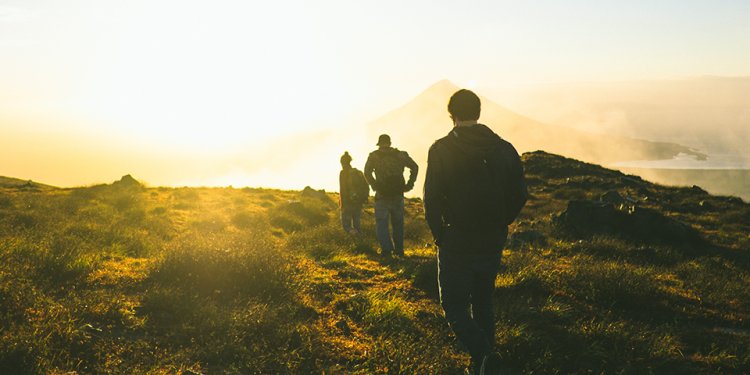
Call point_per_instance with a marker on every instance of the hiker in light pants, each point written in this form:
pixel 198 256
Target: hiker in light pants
pixel 388 164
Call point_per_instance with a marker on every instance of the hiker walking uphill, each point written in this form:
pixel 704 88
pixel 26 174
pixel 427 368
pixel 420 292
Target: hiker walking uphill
pixel 388 182
pixel 353 193
pixel 474 188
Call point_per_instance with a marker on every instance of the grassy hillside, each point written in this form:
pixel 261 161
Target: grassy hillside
pixel 126 279
pixel 8 182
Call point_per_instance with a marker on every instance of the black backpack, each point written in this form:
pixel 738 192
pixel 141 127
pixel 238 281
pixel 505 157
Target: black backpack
pixel 490 190
pixel 389 173
pixel 359 190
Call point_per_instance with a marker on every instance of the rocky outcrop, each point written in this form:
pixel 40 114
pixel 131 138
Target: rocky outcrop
pixel 320 195
pixel 128 182
pixel 586 217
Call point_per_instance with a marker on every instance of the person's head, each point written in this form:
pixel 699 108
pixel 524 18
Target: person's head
pixel 346 159
pixel 464 105
pixel 384 140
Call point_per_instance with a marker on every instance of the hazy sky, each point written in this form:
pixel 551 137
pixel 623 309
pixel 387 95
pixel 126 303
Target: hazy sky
pixel 212 78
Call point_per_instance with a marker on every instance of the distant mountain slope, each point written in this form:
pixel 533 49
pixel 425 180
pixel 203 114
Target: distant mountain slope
pixel 710 113
pixel 416 125
pixel 9 182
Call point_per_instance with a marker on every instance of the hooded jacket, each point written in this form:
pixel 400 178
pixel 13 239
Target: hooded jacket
pixel 454 166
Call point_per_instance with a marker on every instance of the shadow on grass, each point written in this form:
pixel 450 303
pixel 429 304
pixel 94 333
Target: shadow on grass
pixel 595 315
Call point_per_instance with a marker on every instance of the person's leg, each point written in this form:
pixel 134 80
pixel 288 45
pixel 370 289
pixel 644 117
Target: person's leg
pixel 381 227
pixel 485 269
pixel 455 283
pixel 397 221
pixel 346 218
pixel 357 218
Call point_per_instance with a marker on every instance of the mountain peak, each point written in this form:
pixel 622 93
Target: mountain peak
pixel 443 86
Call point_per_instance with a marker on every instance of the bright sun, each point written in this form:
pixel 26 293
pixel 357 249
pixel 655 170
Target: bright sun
pixel 209 82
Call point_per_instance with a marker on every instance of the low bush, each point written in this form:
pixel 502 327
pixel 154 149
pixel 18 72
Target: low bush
pixel 297 215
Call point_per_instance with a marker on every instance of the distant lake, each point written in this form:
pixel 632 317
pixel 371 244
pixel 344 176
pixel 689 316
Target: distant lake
pixel 719 174
pixel 685 161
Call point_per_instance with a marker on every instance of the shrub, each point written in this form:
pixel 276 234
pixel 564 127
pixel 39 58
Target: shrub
pixel 5 201
pixel 248 220
pixel 297 215
pixel 325 241
pixel 225 266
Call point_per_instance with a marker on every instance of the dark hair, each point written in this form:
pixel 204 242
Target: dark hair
pixel 464 105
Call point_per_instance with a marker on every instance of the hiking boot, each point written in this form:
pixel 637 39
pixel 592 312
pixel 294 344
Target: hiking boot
pixel 491 365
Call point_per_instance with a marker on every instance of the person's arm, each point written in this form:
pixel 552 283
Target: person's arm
pixel 413 170
pixel 368 173
pixel 434 196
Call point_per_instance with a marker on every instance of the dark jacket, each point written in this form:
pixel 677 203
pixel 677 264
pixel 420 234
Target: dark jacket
pixel 377 160
pixel 446 191
pixel 344 188
pixel 349 196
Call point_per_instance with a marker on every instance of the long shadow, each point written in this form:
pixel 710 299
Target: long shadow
pixel 542 340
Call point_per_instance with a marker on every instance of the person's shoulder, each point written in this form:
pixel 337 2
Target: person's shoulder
pixel 508 148
pixel 440 143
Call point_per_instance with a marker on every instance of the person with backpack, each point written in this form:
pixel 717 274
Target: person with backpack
pixel 388 164
pixel 474 188
pixel 353 194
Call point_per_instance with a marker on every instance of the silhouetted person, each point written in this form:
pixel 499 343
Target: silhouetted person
pixel 388 165
pixel 353 193
pixel 474 189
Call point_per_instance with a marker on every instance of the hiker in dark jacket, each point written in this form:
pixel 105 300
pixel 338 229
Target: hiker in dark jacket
pixel 388 165
pixel 474 189
pixel 353 193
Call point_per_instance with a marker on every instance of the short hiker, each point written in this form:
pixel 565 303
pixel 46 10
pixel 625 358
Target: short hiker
pixel 474 189
pixel 388 164
pixel 353 193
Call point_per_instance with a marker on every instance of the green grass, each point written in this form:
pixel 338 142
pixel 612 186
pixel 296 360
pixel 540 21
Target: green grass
pixel 127 279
